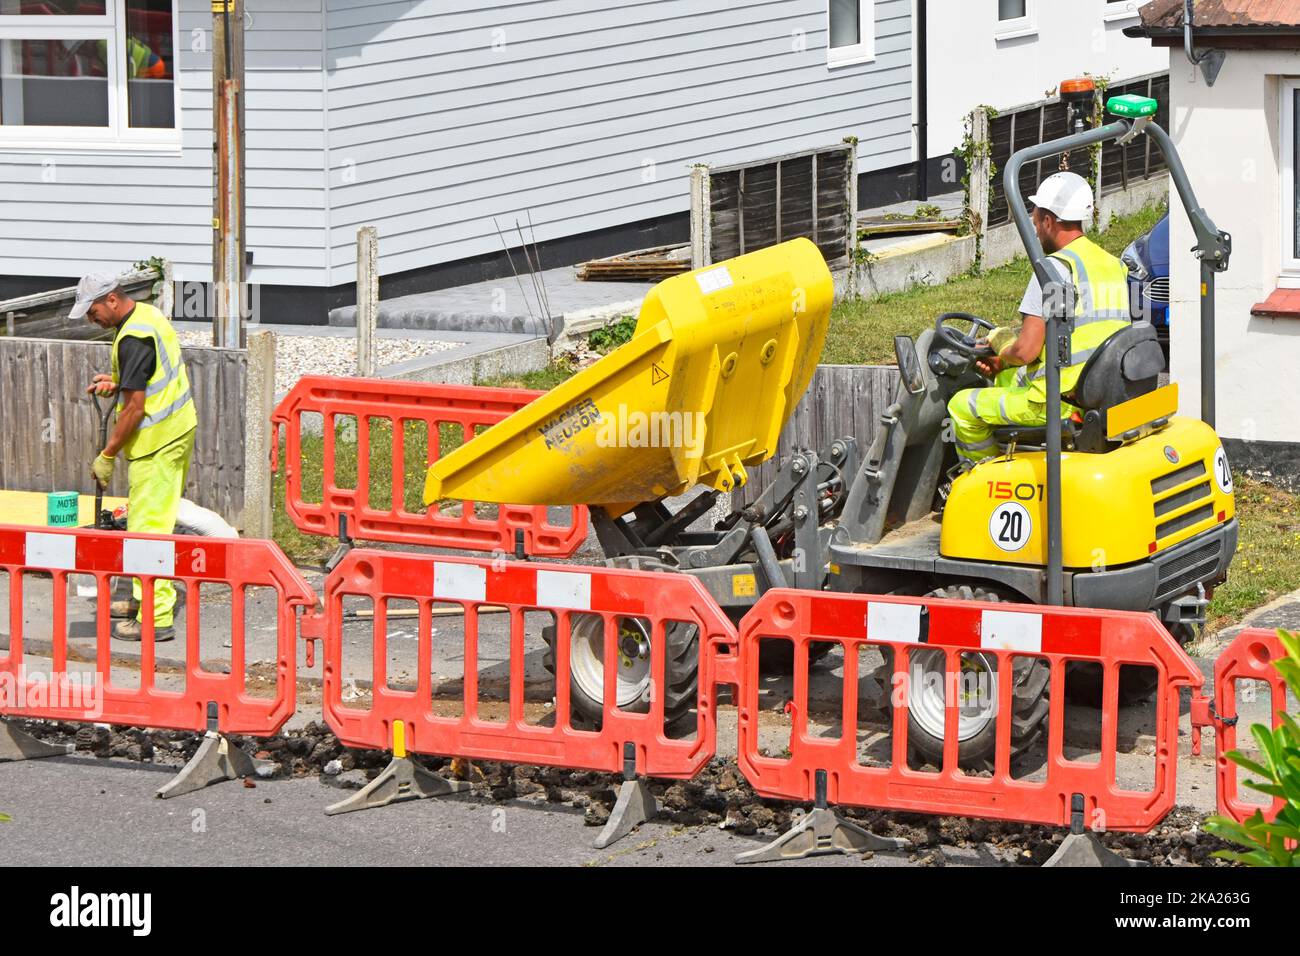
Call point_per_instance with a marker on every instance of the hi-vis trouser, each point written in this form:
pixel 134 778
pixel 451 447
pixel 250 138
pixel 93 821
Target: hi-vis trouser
pixel 157 481
pixel 976 412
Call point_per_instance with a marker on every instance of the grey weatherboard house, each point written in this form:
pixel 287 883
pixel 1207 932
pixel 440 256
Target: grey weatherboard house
pixel 426 119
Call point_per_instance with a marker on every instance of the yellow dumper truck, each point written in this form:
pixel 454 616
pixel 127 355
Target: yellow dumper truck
pixel 1130 507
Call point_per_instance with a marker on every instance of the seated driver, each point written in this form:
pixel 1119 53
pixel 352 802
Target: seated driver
pixel 1018 396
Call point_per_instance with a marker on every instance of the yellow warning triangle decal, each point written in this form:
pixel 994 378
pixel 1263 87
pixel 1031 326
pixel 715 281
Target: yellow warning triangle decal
pixel 657 374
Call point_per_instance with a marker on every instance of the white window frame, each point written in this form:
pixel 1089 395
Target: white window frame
pixel 1289 263
pixel 117 136
pixel 864 51
pixel 1016 27
pixel 1114 12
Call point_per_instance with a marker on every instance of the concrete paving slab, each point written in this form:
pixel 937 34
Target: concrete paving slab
pixel 505 305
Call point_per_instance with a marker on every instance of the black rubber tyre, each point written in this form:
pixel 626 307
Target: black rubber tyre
pixel 1029 702
pixel 586 706
pixel 777 656
pixel 1136 684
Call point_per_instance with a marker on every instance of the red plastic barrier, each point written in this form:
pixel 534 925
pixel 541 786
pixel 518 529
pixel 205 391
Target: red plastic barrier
pixel 659 598
pixel 61 694
pixel 467 406
pixel 1113 638
pixel 1248 657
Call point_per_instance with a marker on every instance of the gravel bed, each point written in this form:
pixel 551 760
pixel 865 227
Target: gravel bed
pixel 299 355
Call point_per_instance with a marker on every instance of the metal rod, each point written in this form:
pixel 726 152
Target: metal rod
pixel 532 273
pixel 537 254
pixel 510 259
pixel 1207 343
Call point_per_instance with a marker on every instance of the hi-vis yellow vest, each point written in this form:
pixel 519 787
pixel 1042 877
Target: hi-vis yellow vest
pixel 1101 308
pixel 168 405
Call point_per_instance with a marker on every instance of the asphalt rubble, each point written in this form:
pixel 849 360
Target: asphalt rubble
pixel 718 796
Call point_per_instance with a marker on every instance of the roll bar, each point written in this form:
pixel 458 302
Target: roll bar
pixel 1213 248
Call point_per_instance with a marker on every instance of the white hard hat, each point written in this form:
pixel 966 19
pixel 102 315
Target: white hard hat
pixel 1067 195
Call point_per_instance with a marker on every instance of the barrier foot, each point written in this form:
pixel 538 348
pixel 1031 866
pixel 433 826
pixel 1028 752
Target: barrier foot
pixel 403 779
pixel 818 833
pixel 17 744
pixel 215 762
pixel 1084 847
pixel 634 806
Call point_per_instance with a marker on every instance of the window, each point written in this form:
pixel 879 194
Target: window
pixel 1290 176
pixel 851 29
pixel 1121 9
pixel 1015 19
pixel 88 73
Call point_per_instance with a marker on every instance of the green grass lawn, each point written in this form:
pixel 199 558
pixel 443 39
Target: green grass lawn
pixel 1267 564
pixel 862 330
pixel 312 549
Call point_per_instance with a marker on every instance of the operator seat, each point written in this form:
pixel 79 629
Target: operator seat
pixel 1125 366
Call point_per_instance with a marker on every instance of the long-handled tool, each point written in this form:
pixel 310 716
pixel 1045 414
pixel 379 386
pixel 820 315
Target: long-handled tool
pixel 103 517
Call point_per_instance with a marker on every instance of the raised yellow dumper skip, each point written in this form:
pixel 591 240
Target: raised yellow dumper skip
pixel 718 361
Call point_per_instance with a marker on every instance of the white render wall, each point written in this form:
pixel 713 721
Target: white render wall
pixel 971 66
pixel 1228 137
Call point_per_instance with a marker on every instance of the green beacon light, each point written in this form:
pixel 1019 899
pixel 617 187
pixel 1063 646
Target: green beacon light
pixel 1132 106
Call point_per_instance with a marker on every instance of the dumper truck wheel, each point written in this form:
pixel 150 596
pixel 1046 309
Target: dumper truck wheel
pixel 587 669
pixel 977 725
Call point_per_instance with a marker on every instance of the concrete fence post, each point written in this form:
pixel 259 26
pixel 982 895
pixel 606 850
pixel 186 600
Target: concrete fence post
pixel 701 218
pixel 367 299
pixel 978 175
pixel 259 401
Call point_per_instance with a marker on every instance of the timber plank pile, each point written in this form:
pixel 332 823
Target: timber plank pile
pixel 645 264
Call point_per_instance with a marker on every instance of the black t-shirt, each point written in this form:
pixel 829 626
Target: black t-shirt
pixel 136 361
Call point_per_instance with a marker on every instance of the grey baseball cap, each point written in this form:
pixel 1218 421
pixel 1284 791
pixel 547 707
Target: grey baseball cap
pixel 92 287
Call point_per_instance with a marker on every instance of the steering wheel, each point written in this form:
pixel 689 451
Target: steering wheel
pixel 963 343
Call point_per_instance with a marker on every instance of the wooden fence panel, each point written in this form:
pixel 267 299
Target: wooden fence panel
pixel 51 429
pixel 842 401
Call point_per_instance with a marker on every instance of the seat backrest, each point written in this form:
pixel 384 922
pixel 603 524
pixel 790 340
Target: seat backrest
pixel 1126 365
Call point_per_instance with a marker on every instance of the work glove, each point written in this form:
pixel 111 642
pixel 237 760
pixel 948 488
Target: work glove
pixel 102 469
pixel 1000 338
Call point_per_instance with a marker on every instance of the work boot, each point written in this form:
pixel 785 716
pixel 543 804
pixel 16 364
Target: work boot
pixel 129 607
pixel 132 629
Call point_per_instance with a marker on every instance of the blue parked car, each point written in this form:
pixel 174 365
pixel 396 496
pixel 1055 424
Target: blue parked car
pixel 1147 258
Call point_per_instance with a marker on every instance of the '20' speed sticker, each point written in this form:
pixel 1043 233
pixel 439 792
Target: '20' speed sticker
pixel 1222 473
pixel 1010 526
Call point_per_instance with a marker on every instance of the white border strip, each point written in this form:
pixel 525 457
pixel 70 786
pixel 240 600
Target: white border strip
pixel 1011 631
pixel 564 589
pixel 141 556
pixel 460 582
pixel 52 551
pixel 893 622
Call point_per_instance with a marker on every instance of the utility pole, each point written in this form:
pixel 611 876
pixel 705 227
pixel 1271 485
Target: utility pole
pixel 228 261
